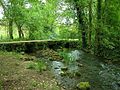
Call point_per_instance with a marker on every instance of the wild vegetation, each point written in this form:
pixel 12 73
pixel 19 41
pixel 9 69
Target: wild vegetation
pixel 94 22
pixel 49 32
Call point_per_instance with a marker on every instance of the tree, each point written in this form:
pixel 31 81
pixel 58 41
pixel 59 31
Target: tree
pixel 98 28
pixel 79 6
pixel 111 25
pixel 90 24
pixel 19 15
pixel 8 13
pixel 40 19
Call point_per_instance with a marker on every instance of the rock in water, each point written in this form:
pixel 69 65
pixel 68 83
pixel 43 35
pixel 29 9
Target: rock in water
pixel 64 68
pixel 62 73
pixel 80 65
pixel 23 53
pixel 83 86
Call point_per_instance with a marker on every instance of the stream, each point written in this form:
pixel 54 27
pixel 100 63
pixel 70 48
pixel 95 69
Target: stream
pixel 100 75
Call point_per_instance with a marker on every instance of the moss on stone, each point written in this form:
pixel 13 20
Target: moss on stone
pixel 64 68
pixel 83 86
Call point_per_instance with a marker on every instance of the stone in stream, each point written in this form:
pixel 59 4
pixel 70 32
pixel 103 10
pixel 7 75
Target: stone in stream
pixel 63 60
pixel 63 73
pixel 83 86
pixel 23 53
pixel 56 68
pixel 64 68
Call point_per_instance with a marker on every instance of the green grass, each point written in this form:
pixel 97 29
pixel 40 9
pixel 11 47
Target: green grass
pixel 31 66
pixel 65 56
pixel 11 54
pixel 39 66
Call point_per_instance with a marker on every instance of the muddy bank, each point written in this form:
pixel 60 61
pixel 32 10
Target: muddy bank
pixel 14 74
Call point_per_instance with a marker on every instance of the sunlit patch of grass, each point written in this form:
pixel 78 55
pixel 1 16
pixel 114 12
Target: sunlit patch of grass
pixel 4 32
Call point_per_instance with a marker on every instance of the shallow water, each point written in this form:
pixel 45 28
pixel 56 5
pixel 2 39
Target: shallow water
pixel 64 81
pixel 100 75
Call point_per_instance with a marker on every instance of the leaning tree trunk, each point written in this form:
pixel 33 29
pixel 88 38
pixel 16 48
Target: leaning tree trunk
pixel 98 29
pixel 80 14
pixel 11 29
pixel 90 24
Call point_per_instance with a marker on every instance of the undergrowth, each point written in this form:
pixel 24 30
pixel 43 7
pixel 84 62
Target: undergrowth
pixel 38 65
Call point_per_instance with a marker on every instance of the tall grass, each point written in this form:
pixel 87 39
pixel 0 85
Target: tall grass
pixel 69 57
pixel 65 57
pixel 38 65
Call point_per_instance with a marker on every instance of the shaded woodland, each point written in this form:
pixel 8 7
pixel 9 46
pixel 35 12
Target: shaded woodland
pixel 94 22
pixel 75 44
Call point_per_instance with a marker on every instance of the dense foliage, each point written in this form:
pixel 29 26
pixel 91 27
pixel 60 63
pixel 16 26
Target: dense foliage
pixel 94 22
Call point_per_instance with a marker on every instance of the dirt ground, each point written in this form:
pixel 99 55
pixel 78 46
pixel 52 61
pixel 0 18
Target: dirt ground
pixel 15 76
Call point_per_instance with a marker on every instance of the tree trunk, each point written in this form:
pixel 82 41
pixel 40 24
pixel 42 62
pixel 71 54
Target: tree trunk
pixel 98 29
pixel 90 25
pixel 20 32
pixel 80 14
pixel 11 29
